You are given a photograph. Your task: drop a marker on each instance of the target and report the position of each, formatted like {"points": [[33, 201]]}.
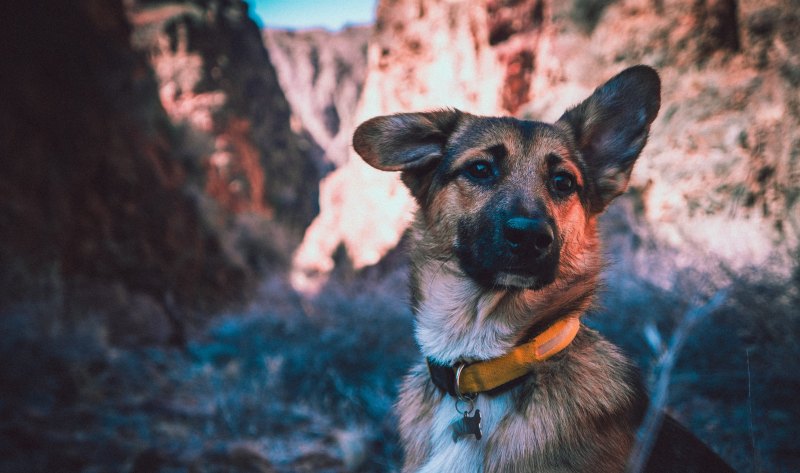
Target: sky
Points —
{"points": [[329, 14]]}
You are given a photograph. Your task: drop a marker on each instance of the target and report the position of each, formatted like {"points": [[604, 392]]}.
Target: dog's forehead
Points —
{"points": [[519, 138]]}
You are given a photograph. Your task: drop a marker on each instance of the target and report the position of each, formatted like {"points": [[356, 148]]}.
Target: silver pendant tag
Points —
{"points": [[467, 425]]}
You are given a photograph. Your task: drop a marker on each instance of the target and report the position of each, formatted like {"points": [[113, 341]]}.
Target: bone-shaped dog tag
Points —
{"points": [[467, 426]]}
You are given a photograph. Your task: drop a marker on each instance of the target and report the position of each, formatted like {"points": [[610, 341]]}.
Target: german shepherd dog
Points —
{"points": [[504, 248]]}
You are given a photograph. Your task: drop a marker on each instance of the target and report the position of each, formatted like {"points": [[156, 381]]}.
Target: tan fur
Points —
{"points": [[576, 412]]}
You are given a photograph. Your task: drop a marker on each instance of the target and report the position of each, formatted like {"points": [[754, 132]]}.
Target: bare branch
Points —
{"points": [[648, 431]]}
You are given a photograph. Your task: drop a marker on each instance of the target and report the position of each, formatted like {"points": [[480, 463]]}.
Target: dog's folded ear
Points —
{"points": [[409, 142], [610, 129], [404, 141]]}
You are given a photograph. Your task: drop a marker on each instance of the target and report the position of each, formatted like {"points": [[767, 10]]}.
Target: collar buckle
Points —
{"points": [[466, 397]]}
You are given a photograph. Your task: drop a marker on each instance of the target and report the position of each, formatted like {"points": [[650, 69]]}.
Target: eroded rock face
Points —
{"points": [[423, 55], [322, 74], [719, 176], [93, 182], [148, 161], [718, 180], [215, 79]]}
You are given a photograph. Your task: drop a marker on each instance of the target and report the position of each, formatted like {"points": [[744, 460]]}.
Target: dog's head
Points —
{"points": [[514, 201]]}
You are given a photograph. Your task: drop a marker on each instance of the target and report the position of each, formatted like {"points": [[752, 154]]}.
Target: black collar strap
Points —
{"points": [[444, 378]]}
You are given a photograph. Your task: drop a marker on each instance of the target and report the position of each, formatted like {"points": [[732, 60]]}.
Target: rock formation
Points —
{"points": [[148, 162], [422, 55], [92, 183], [718, 181], [719, 175], [215, 78], [322, 74]]}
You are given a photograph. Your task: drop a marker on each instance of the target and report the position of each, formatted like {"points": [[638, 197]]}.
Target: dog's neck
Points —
{"points": [[458, 320]]}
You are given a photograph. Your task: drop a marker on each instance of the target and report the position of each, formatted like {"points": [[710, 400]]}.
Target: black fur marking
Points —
{"points": [[483, 251], [498, 152]]}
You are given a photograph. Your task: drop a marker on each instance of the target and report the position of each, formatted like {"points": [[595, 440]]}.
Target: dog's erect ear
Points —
{"points": [[610, 129], [409, 142]]}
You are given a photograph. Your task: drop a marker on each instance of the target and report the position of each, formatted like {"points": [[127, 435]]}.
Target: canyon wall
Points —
{"points": [[216, 80], [90, 183], [149, 168], [422, 55], [322, 73], [719, 180], [719, 177]]}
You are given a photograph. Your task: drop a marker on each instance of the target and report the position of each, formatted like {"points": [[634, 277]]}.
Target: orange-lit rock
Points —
{"points": [[216, 81], [97, 201], [422, 55], [718, 181], [719, 177], [322, 74]]}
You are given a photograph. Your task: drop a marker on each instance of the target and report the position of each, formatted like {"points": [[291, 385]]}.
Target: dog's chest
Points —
{"points": [[466, 455], [456, 320]]}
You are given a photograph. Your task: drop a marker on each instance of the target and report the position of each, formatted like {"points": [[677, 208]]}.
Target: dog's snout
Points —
{"points": [[525, 234]]}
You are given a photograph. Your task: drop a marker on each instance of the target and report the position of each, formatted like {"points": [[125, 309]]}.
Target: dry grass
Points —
{"points": [[307, 385]]}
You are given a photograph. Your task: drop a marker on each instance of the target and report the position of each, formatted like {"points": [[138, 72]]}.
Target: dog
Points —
{"points": [[505, 259]]}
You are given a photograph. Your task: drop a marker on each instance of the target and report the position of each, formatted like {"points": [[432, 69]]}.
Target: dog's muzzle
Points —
{"points": [[509, 250]]}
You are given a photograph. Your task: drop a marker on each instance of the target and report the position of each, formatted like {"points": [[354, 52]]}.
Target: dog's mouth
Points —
{"points": [[520, 281], [518, 270], [525, 277], [493, 273]]}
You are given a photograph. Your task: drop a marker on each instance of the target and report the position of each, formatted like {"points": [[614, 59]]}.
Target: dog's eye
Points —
{"points": [[480, 170], [564, 183]]}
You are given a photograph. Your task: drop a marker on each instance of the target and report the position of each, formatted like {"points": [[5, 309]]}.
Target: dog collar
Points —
{"points": [[489, 375]]}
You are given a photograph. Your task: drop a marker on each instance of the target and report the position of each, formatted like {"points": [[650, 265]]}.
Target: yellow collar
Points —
{"points": [[487, 375]]}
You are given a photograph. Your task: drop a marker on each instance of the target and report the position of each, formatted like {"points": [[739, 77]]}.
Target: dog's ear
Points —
{"points": [[610, 129], [409, 142]]}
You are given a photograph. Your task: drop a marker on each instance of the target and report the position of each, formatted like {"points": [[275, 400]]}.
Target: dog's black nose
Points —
{"points": [[528, 234]]}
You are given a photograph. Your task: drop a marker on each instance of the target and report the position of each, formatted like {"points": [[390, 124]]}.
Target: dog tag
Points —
{"points": [[467, 425]]}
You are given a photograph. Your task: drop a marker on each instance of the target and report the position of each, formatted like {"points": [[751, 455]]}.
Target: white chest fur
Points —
{"points": [[467, 454], [459, 320]]}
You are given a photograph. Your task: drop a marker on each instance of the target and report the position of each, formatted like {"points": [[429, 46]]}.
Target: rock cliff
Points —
{"points": [[93, 184], [719, 175], [148, 163], [717, 183], [322, 74], [215, 78]]}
